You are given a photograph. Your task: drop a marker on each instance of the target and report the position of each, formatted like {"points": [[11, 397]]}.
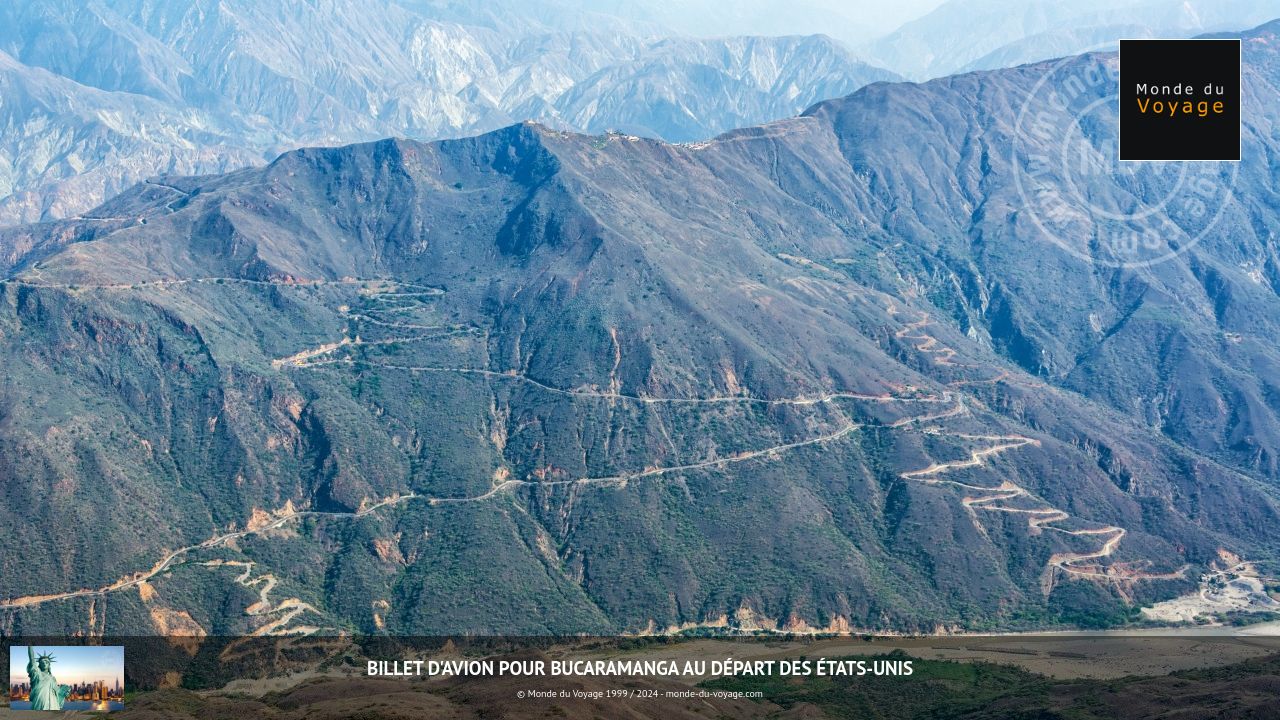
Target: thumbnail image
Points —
{"points": [[66, 678]]}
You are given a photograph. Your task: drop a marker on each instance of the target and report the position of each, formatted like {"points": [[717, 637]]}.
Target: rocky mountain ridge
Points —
{"points": [[802, 376], [101, 95]]}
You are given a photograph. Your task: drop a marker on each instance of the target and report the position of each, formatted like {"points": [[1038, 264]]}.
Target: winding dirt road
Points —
{"points": [[997, 499], [1000, 498]]}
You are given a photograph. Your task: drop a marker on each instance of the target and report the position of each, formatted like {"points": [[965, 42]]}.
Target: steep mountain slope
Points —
{"points": [[66, 146], [248, 72], [1181, 345], [804, 375], [684, 90]]}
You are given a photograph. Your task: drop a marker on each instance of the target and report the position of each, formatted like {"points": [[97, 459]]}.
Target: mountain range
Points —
{"points": [[101, 95], [1002, 33], [833, 372]]}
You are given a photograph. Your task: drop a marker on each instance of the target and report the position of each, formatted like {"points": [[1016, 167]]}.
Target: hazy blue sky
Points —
{"points": [[919, 38], [852, 21], [849, 20], [72, 665]]}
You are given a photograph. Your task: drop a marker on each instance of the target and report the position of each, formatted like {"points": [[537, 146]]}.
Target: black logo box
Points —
{"points": [[1187, 65]]}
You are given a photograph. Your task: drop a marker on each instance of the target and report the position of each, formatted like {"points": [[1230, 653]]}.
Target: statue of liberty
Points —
{"points": [[46, 693]]}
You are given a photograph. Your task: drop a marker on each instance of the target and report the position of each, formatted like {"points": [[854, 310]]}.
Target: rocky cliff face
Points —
{"points": [[828, 372]]}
